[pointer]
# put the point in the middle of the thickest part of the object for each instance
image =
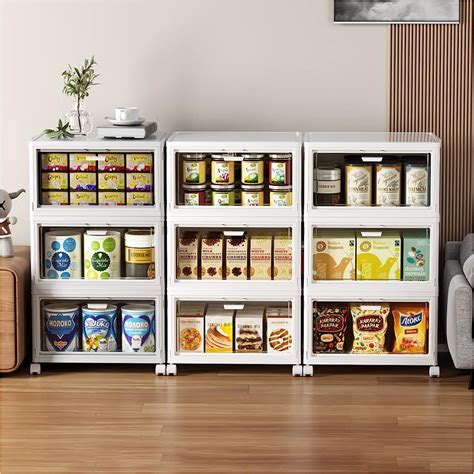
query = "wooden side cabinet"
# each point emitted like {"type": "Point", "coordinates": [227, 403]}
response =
{"type": "Point", "coordinates": [14, 308]}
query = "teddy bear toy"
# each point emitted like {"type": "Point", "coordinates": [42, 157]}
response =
{"type": "Point", "coordinates": [6, 244]}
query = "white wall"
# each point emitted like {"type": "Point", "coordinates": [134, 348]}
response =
{"type": "Point", "coordinates": [197, 64]}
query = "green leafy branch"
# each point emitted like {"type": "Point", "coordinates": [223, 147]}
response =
{"type": "Point", "coordinates": [62, 131]}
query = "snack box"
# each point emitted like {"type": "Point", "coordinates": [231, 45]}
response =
{"type": "Point", "coordinates": [279, 330]}
{"type": "Point", "coordinates": [139, 198]}
{"type": "Point", "coordinates": [142, 162]}
{"type": "Point", "coordinates": [219, 329]}
{"type": "Point", "coordinates": [139, 182]}
{"type": "Point", "coordinates": [82, 181]}
{"type": "Point", "coordinates": [82, 198]}
{"type": "Point", "coordinates": [112, 198]}
{"type": "Point", "coordinates": [187, 257]}
{"type": "Point", "coordinates": [54, 161]}
{"type": "Point", "coordinates": [191, 326]}
{"type": "Point", "coordinates": [57, 181]}
{"type": "Point", "coordinates": [282, 256]}
{"type": "Point", "coordinates": [236, 251]}
{"type": "Point", "coordinates": [261, 256]}
{"type": "Point", "coordinates": [378, 255]}
{"type": "Point", "coordinates": [334, 255]}
{"type": "Point", "coordinates": [112, 181]}
{"type": "Point", "coordinates": [82, 162]}
{"type": "Point", "coordinates": [111, 162]}
{"type": "Point", "coordinates": [249, 330]}
{"type": "Point", "coordinates": [54, 198]}
{"type": "Point", "coordinates": [212, 256]}
{"type": "Point", "coordinates": [416, 255]}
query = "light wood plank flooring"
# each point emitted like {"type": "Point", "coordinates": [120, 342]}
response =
{"type": "Point", "coordinates": [229, 420]}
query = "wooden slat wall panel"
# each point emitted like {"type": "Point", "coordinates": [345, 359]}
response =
{"type": "Point", "coordinates": [432, 90]}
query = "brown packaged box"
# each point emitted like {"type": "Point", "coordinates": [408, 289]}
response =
{"type": "Point", "coordinates": [261, 256]}
{"type": "Point", "coordinates": [282, 256]}
{"type": "Point", "coordinates": [212, 256]}
{"type": "Point", "coordinates": [236, 257]}
{"type": "Point", "coordinates": [187, 258]}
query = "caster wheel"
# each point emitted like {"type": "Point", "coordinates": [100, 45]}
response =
{"type": "Point", "coordinates": [308, 371]}
{"type": "Point", "coordinates": [297, 371]}
{"type": "Point", "coordinates": [160, 369]}
{"type": "Point", "coordinates": [435, 372]}
{"type": "Point", "coordinates": [172, 370]}
{"type": "Point", "coordinates": [35, 369]}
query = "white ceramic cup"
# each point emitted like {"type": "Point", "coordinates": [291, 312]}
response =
{"type": "Point", "coordinates": [125, 114]}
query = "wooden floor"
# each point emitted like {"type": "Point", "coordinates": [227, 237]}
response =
{"type": "Point", "coordinates": [229, 420]}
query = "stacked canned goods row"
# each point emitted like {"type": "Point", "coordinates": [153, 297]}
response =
{"type": "Point", "coordinates": [249, 179]}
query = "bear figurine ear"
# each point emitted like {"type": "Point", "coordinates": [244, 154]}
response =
{"type": "Point", "coordinates": [15, 195]}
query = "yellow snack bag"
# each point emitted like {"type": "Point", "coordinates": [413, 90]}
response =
{"type": "Point", "coordinates": [411, 324]}
{"type": "Point", "coordinates": [370, 323]}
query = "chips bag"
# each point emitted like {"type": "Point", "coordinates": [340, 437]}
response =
{"type": "Point", "coordinates": [330, 322]}
{"type": "Point", "coordinates": [411, 324]}
{"type": "Point", "coordinates": [369, 327]}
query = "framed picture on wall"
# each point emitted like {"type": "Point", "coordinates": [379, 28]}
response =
{"type": "Point", "coordinates": [396, 11]}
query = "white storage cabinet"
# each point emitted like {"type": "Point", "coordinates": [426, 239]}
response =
{"type": "Point", "coordinates": [332, 149]}
{"type": "Point", "coordinates": [45, 216]}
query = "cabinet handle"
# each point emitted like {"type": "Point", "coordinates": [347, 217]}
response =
{"type": "Point", "coordinates": [237, 307]}
{"type": "Point", "coordinates": [234, 233]}
{"type": "Point", "coordinates": [372, 159]}
{"type": "Point", "coordinates": [371, 234]}
{"type": "Point", "coordinates": [93, 158]}
{"type": "Point", "coordinates": [233, 158]}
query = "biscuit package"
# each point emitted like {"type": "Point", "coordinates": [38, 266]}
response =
{"type": "Point", "coordinates": [191, 327]}
{"type": "Point", "coordinates": [212, 256]}
{"type": "Point", "coordinates": [279, 330]}
{"type": "Point", "coordinates": [219, 329]}
{"type": "Point", "coordinates": [410, 324]}
{"type": "Point", "coordinates": [236, 257]}
{"type": "Point", "coordinates": [187, 265]}
{"type": "Point", "coordinates": [330, 323]}
{"type": "Point", "coordinates": [261, 256]}
{"type": "Point", "coordinates": [249, 330]}
{"type": "Point", "coordinates": [370, 322]}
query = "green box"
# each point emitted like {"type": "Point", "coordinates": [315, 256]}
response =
{"type": "Point", "coordinates": [416, 255]}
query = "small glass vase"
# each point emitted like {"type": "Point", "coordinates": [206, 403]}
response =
{"type": "Point", "coordinates": [80, 120]}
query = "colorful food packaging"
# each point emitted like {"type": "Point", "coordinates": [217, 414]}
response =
{"type": "Point", "coordinates": [82, 162]}
{"type": "Point", "coordinates": [102, 254]}
{"type": "Point", "coordinates": [334, 255]}
{"type": "Point", "coordinates": [188, 251]}
{"type": "Point", "coordinates": [52, 181]}
{"type": "Point", "coordinates": [411, 324]}
{"type": "Point", "coordinates": [330, 324]}
{"type": "Point", "coordinates": [111, 162]}
{"type": "Point", "coordinates": [370, 322]}
{"type": "Point", "coordinates": [53, 161]}
{"type": "Point", "coordinates": [236, 249]}
{"type": "Point", "coordinates": [416, 255]}
{"type": "Point", "coordinates": [99, 328]}
{"type": "Point", "coordinates": [82, 198]}
{"type": "Point", "coordinates": [54, 198]}
{"type": "Point", "coordinates": [279, 330]}
{"type": "Point", "coordinates": [138, 328]}
{"type": "Point", "coordinates": [191, 326]}
{"type": "Point", "coordinates": [388, 179]}
{"type": "Point", "coordinates": [261, 256]}
{"type": "Point", "coordinates": [219, 329]}
{"type": "Point", "coordinates": [112, 198]}
{"type": "Point", "coordinates": [139, 182]}
{"type": "Point", "coordinates": [142, 162]}
{"type": "Point", "coordinates": [249, 330]}
{"type": "Point", "coordinates": [282, 256]}
{"type": "Point", "coordinates": [112, 181]}
{"type": "Point", "coordinates": [139, 198]}
{"type": "Point", "coordinates": [212, 256]}
{"type": "Point", "coordinates": [83, 181]}
{"type": "Point", "coordinates": [378, 255]}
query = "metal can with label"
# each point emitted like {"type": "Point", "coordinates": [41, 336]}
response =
{"type": "Point", "coordinates": [61, 327]}
{"type": "Point", "coordinates": [99, 328]}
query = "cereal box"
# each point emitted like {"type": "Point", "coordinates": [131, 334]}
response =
{"type": "Point", "coordinates": [82, 162]}
{"type": "Point", "coordinates": [261, 256]}
{"type": "Point", "coordinates": [334, 255]}
{"type": "Point", "coordinates": [83, 181]}
{"type": "Point", "coordinates": [236, 248]}
{"type": "Point", "coordinates": [411, 324]}
{"type": "Point", "coordinates": [54, 198]}
{"type": "Point", "coordinates": [191, 326]}
{"type": "Point", "coordinates": [416, 255]}
{"type": "Point", "coordinates": [54, 181]}
{"type": "Point", "coordinates": [212, 256]}
{"type": "Point", "coordinates": [112, 198]}
{"type": "Point", "coordinates": [249, 330]}
{"type": "Point", "coordinates": [370, 323]}
{"type": "Point", "coordinates": [378, 255]}
{"type": "Point", "coordinates": [112, 181]}
{"type": "Point", "coordinates": [279, 330]}
{"type": "Point", "coordinates": [187, 258]}
{"type": "Point", "coordinates": [282, 256]}
{"type": "Point", "coordinates": [139, 182]}
{"type": "Point", "coordinates": [111, 162]}
{"type": "Point", "coordinates": [142, 162]}
{"type": "Point", "coordinates": [83, 198]}
{"type": "Point", "coordinates": [53, 161]}
{"type": "Point", "coordinates": [138, 198]}
{"type": "Point", "coordinates": [219, 329]}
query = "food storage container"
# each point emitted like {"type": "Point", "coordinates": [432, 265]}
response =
{"type": "Point", "coordinates": [328, 186]}
{"type": "Point", "coordinates": [279, 168]}
{"type": "Point", "coordinates": [194, 168]}
{"type": "Point", "coordinates": [253, 195]}
{"type": "Point", "coordinates": [222, 170]}
{"type": "Point", "coordinates": [223, 195]}
{"type": "Point", "coordinates": [252, 169]}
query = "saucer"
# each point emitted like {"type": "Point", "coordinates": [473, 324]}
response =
{"type": "Point", "coordinates": [125, 123]}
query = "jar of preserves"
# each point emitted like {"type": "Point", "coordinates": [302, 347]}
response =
{"type": "Point", "coordinates": [281, 196]}
{"type": "Point", "coordinates": [253, 196]}
{"type": "Point", "coordinates": [194, 194]}
{"type": "Point", "coordinates": [222, 170]}
{"type": "Point", "coordinates": [194, 168]}
{"type": "Point", "coordinates": [328, 186]}
{"type": "Point", "coordinates": [252, 169]}
{"type": "Point", "coordinates": [279, 168]}
{"type": "Point", "coordinates": [223, 195]}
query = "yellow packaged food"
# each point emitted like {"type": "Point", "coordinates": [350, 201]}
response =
{"type": "Point", "coordinates": [112, 181]}
{"type": "Point", "coordinates": [83, 198]}
{"type": "Point", "coordinates": [112, 198]}
{"type": "Point", "coordinates": [139, 162]}
{"type": "Point", "coordinates": [82, 162]}
{"type": "Point", "coordinates": [138, 198]}
{"type": "Point", "coordinates": [54, 161]}
{"type": "Point", "coordinates": [111, 162]}
{"type": "Point", "coordinates": [83, 181]}
{"type": "Point", "coordinates": [54, 181]}
{"type": "Point", "coordinates": [54, 198]}
{"type": "Point", "coordinates": [139, 182]}
{"type": "Point", "coordinates": [411, 324]}
{"type": "Point", "coordinates": [370, 322]}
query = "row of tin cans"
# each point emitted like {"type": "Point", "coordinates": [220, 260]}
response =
{"type": "Point", "coordinates": [97, 326]}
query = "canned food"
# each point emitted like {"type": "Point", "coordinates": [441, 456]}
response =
{"type": "Point", "coordinates": [252, 169]}
{"type": "Point", "coordinates": [194, 168]}
{"type": "Point", "coordinates": [194, 194]}
{"type": "Point", "coordinates": [223, 195]}
{"type": "Point", "coordinates": [279, 168]}
{"type": "Point", "coordinates": [281, 196]}
{"type": "Point", "coordinates": [222, 170]}
{"type": "Point", "coordinates": [253, 196]}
